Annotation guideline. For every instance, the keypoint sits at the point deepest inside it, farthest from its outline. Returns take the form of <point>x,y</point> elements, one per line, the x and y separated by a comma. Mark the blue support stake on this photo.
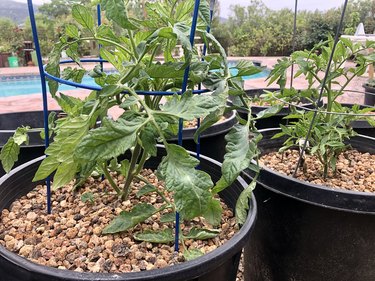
<point>180,125</point>
<point>99,16</point>
<point>44,92</point>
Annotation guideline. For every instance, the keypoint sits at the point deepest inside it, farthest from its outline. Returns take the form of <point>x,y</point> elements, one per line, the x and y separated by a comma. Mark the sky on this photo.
<point>273,4</point>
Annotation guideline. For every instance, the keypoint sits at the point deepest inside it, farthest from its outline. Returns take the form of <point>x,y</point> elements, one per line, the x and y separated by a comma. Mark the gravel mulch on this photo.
<point>355,170</point>
<point>71,237</point>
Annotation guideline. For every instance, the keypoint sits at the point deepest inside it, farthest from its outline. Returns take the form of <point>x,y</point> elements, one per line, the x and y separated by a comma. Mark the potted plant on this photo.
<point>307,214</point>
<point>123,150</point>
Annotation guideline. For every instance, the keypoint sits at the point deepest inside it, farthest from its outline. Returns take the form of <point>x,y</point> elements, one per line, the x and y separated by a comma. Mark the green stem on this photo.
<point>141,162</point>
<point>157,190</point>
<point>110,179</point>
<point>130,33</point>
<point>131,172</point>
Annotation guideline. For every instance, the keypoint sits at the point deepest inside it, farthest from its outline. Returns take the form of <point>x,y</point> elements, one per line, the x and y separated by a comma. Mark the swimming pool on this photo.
<point>27,85</point>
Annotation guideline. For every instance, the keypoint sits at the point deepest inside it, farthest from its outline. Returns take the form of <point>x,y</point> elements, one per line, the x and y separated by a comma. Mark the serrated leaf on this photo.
<point>72,31</point>
<point>202,234</point>
<point>190,186</point>
<point>189,106</point>
<point>127,220</point>
<point>87,197</point>
<point>242,205</point>
<point>83,16</point>
<point>213,212</point>
<point>20,136</point>
<point>169,217</point>
<point>65,173</point>
<point>9,154</point>
<point>192,254</point>
<point>116,10</point>
<point>47,167</point>
<point>240,152</point>
<point>109,141</point>
<point>269,111</point>
<point>148,188</point>
<point>160,236</point>
<point>129,101</point>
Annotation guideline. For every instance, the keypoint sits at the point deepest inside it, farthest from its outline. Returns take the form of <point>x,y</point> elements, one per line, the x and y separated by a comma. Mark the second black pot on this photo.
<point>307,232</point>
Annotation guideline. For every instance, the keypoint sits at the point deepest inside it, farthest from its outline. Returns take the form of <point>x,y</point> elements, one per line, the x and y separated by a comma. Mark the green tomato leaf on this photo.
<point>47,167</point>
<point>111,140</point>
<point>116,10</point>
<point>242,205</point>
<point>213,212</point>
<point>9,154</point>
<point>83,16</point>
<point>148,188</point>
<point>72,31</point>
<point>161,236</point>
<point>189,106</point>
<point>202,234</point>
<point>87,197</point>
<point>20,136</point>
<point>65,172</point>
<point>269,111</point>
<point>240,152</point>
<point>127,220</point>
<point>192,254</point>
<point>190,186</point>
<point>170,217</point>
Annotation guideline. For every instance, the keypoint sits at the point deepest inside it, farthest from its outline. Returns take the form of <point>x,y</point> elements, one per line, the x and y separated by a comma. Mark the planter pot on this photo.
<point>212,143</point>
<point>307,232</point>
<point>219,265</point>
<point>270,122</point>
<point>369,98</point>
<point>9,122</point>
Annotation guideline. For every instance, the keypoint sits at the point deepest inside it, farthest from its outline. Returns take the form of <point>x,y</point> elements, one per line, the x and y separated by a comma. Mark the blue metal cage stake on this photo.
<point>44,92</point>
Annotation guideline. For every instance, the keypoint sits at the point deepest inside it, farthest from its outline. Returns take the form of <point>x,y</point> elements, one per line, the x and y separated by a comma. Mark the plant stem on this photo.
<point>110,179</point>
<point>131,172</point>
<point>131,38</point>
<point>157,190</point>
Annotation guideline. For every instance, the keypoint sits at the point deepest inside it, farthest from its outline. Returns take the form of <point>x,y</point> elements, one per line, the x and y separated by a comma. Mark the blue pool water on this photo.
<point>27,85</point>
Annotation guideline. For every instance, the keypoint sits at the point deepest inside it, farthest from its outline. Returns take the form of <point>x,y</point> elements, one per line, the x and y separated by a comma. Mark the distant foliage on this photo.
<point>256,30</point>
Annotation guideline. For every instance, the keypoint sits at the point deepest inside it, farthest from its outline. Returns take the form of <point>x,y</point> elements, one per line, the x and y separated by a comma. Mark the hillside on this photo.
<point>16,11</point>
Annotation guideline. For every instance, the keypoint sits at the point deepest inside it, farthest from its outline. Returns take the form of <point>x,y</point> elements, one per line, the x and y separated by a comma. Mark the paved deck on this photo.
<point>34,101</point>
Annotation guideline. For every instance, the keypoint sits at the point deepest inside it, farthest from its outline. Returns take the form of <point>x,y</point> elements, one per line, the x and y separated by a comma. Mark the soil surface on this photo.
<point>71,237</point>
<point>355,170</point>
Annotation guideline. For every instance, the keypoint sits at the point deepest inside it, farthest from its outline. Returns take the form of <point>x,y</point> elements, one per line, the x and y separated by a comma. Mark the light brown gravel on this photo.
<point>70,237</point>
<point>355,170</point>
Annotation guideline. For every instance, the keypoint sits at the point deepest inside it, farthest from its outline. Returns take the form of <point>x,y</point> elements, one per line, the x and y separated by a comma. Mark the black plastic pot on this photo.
<point>212,141</point>
<point>270,122</point>
<point>370,97</point>
<point>9,122</point>
<point>219,265</point>
<point>307,232</point>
